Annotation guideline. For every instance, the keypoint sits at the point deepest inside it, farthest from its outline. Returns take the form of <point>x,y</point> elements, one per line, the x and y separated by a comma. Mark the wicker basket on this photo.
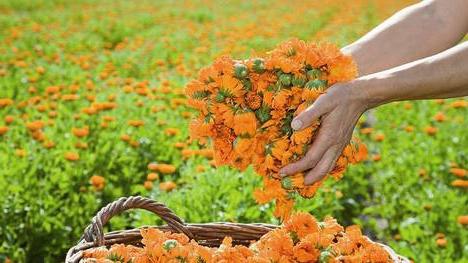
<point>209,234</point>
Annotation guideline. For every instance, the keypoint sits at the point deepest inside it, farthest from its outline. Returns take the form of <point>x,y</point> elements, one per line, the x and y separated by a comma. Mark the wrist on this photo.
<point>367,91</point>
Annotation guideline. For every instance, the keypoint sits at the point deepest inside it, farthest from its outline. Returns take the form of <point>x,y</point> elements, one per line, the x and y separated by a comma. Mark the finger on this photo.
<point>322,143</point>
<point>308,116</point>
<point>323,167</point>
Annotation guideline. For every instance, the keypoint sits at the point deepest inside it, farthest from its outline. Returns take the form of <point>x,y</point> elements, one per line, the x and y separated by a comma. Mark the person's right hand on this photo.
<point>339,109</point>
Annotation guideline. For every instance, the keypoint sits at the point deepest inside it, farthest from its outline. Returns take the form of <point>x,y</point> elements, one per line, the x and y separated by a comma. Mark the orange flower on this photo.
<point>136,123</point>
<point>80,132</point>
<point>458,172</point>
<point>455,104</point>
<point>162,168</point>
<point>441,242</point>
<point>98,182</point>
<point>172,131</point>
<point>35,125</point>
<point>9,119</point>
<point>167,186</point>
<point>460,183</point>
<point>72,156</point>
<point>20,152</point>
<point>430,130</point>
<point>5,102</point>
<point>245,123</point>
<point>409,128</point>
<point>440,117</point>
<point>148,185</point>
<point>463,220</point>
<point>125,137</point>
<point>3,130</point>
<point>367,130</point>
<point>379,137</point>
<point>152,176</point>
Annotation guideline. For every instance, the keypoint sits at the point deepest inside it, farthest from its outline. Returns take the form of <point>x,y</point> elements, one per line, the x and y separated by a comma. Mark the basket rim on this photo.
<point>207,234</point>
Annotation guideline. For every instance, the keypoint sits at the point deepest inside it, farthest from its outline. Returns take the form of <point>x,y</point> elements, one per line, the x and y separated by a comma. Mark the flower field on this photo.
<point>92,108</point>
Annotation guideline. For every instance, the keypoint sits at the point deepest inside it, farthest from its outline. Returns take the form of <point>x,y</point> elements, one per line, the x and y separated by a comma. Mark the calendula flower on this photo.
<point>441,242</point>
<point>463,220</point>
<point>4,102</point>
<point>80,132</point>
<point>148,185</point>
<point>35,125</point>
<point>162,168</point>
<point>460,183</point>
<point>379,137</point>
<point>152,176</point>
<point>72,156</point>
<point>167,186</point>
<point>440,117</point>
<point>460,172</point>
<point>98,182</point>
<point>3,130</point>
<point>430,130</point>
<point>459,104</point>
<point>245,109</point>
<point>171,131</point>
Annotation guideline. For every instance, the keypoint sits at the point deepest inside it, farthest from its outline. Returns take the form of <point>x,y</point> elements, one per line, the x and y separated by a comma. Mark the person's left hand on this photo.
<point>339,109</point>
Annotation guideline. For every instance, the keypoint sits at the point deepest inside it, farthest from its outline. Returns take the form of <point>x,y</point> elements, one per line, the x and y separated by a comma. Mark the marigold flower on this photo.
<point>171,131</point>
<point>5,102</point>
<point>98,182</point>
<point>463,220</point>
<point>72,156</point>
<point>3,130</point>
<point>152,176</point>
<point>440,117</point>
<point>35,125</point>
<point>430,130</point>
<point>367,130</point>
<point>460,183</point>
<point>167,186</point>
<point>246,107</point>
<point>456,104</point>
<point>409,128</point>
<point>162,168</point>
<point>125,137</point>
<point>20,152</point>
<point>80,132</point>
<point>9,119</point>
<point>441,242</point>
<point>148,185</point>
<point>379,137</point>
<point>136,123</point>
<point>460,172</point>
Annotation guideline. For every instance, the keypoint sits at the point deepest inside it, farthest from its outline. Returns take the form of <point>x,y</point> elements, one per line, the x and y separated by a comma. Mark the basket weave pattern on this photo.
<point>208,234</point>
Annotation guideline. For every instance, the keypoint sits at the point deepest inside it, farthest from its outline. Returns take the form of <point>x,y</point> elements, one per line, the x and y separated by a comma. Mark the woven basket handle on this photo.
<point>94,232</point>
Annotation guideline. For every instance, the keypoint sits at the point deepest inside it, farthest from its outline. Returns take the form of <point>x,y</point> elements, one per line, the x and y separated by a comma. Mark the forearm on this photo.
<point>443,75</point>
<point>415,32</point>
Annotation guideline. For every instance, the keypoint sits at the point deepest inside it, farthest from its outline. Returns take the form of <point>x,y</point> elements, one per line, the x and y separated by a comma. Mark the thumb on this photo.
<point>311,114</point>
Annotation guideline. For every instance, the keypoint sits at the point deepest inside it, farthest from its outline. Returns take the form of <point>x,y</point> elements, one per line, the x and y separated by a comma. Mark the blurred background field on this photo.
<point>92,108</point>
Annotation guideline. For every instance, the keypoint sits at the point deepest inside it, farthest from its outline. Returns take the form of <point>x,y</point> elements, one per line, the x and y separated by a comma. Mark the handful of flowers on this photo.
<point>246,108</point>
<point>300,239</point>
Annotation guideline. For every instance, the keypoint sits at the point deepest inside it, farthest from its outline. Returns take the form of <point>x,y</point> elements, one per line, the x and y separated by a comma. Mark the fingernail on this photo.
<point>296,124</point>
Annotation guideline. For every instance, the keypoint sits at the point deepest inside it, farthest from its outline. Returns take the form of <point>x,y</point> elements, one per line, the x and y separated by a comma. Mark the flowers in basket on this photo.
<point>245,109</point>
<point>301,239</point>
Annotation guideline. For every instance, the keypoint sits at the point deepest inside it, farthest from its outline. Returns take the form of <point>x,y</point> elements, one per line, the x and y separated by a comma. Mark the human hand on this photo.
<point>339,110</point>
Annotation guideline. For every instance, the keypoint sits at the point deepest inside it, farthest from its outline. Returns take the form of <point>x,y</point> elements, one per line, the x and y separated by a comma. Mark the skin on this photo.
<point>410,56</point>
